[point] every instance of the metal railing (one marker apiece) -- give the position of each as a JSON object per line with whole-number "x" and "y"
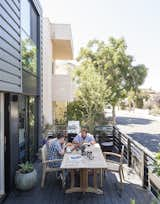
{"x": 137, "y": 156}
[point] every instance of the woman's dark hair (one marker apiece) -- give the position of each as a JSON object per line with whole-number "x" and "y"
{"x": 50, "y": 137}
{"x": 60, "y": 135}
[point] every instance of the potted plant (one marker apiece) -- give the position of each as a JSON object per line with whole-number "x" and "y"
{"x": 26, "y": 176}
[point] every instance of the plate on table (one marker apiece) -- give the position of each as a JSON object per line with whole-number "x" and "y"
{"x": 75, "y": 157}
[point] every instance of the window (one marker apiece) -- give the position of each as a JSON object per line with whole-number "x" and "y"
{"x": 25, "y": 16}
{"x": 22, "y": 125}
{"x": 29, "y": 24}
{"x": 29, "y": 54}
{"x": 27, "y": 128}
{"x": 34, "y": 25}
{"x": 32, "y": 126}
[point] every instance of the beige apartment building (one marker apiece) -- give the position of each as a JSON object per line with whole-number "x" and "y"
{"x": 58, "y": 88}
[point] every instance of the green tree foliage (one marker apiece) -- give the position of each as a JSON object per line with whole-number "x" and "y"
{"x": 131, "y": 97}
{"x": 113, "y": 63}
{"x": 90, "y": 95}
{"x": 75, "y": 110}
{"x": 156, "y": 164}
{"x": 137, "y": 98}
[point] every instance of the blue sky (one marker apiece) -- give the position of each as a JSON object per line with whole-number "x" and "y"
{"x": 135, "y": 20}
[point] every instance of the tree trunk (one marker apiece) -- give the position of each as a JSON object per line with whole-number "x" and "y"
{"x": 113, "y": 115}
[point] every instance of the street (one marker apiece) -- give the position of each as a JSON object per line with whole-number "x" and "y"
{"x": 141, "y": 126}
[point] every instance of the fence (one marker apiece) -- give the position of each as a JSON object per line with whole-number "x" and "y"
{"x": 137, "y": 156}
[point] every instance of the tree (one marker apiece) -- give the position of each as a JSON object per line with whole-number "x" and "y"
{"x": 131, "y": 97}
{"x": 113, "y": 63}
{"x": 137, "y": 98}
{"x": 90, "y": 94}
{"x": 75, "y": 110}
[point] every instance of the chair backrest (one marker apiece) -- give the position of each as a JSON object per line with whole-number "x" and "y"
{"x": 122, "y": 155}
{"x": 44, "y": 153}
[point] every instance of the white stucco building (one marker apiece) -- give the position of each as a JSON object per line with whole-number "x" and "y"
{"x": 57, "y": 82}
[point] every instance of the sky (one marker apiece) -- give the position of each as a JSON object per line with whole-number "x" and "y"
{"x": 138, "y": 21}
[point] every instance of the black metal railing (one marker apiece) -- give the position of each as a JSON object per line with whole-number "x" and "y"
{"x": 137, "y": 156}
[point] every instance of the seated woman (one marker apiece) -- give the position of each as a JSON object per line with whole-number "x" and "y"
{"x": 84, "y": 137}
{"x": 56, "y": 150}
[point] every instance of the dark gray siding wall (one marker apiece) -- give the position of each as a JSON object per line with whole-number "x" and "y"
{"x": 10, "y": 46}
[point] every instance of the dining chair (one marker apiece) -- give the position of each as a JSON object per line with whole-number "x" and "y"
{"x": 105, "y": 139}
{"x": 46, "y": 167}
{"x": 115, "y": 166}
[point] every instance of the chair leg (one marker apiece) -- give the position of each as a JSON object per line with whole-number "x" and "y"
{"x": 63, "y": 179}
{"x": 123, "y": 174}
{"x": 43, "y": 179}
{"x": 101, "y": 180}
{"x": 121, "y": 180}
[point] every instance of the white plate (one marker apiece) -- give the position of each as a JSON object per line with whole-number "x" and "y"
{"x": 75, "y": 157}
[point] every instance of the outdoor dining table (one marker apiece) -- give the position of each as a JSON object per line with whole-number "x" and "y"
{"x": 84, "y": 164}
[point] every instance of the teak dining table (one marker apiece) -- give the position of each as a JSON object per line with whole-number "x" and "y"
{"x": 84, "y": 164}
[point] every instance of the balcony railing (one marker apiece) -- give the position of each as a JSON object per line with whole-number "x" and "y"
{"x": 137, "y": 157}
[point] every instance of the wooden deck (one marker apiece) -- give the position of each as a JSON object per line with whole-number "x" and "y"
{"x": 52, "y": 193}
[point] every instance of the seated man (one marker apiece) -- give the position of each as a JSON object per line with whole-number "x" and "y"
{"x": 56, "y": 149}
{"x": 84, "y": 137}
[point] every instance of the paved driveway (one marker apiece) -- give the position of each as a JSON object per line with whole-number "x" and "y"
{"x": 142, "y": 127}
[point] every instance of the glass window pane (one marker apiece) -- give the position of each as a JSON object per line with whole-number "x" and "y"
{"x": 34, "y": 25}
{"x": 32, "y": 126}
{"x": 29, "y": 83}
{"x": 22, "y": 124}
{"x": 29, "y": 54}
{"x": 25, "y": 16}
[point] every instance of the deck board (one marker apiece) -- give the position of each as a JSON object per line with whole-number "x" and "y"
{"x": 53, "y": 194}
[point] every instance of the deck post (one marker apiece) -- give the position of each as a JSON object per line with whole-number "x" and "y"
{"x": 129, "y": 152}
{"x": 113, "y": 135}
{"x": 119, "y": 141}
{"x": 144, "y": 171}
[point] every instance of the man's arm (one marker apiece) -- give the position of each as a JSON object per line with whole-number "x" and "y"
{"x": 92, "y": 140}
{"x": 61, "y": 149}
{"x": 76, "y": 140}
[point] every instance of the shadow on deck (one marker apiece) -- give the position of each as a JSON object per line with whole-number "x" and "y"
{"x": 52, "y": 193}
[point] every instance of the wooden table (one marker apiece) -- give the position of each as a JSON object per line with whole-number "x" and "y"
{"x": 84, "y": 164}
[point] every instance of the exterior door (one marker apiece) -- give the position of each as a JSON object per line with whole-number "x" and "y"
{"x": 11, "y": 139}
{"x": 1, "y": 144}
{"x": 7, "y": 143}
{"x": 27, "y": 128}
{"x": 32, "y": 127}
